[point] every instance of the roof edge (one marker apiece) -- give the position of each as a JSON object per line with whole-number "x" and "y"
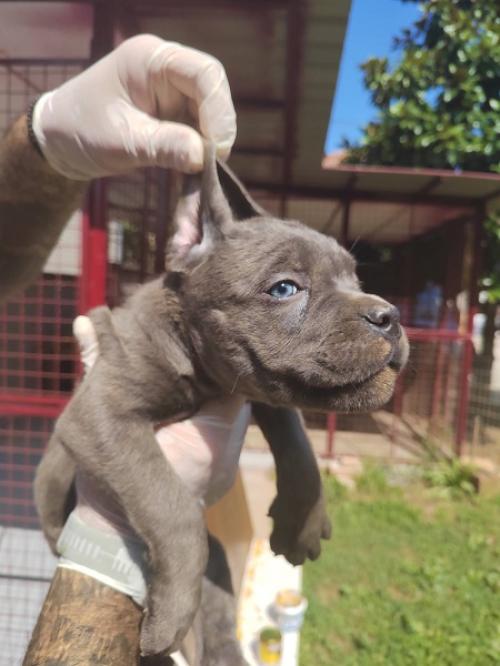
{"x": 330, "y": 164}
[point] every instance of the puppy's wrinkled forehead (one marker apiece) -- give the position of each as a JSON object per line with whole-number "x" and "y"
{"x": 277, "y": 245}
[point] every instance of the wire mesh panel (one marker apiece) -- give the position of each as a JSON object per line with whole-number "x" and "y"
{"x": 430, "y": 401}
{"x": 26, "y": 567}
{"x": 23, "y": 439}
{"x": 38, "y": 368}
{"x": 21, "y": 81}
{"x": 425, "y": 416}
{"x": 26, "y": 564}
{"x": 37, "y": 347}
{"x": 137, "y": 221}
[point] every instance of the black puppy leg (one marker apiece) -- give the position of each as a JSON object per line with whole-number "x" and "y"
{"x": 218, "y": 612}
{"x": 54, "y": 490}
{"x": 298, "y": 511}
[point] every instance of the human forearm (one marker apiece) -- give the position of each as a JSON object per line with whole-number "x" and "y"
{"x": 35, "y": 204}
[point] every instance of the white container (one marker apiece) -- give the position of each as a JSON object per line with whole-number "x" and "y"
{"x": 290, "y": 607}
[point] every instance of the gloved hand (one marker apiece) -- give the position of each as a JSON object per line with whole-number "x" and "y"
{"x": 128, "y": 110}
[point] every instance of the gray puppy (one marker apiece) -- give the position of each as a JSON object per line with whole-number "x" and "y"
{"x": 263, "y": 307}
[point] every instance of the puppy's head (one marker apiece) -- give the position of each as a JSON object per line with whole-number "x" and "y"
{"x": 274, "y": 309}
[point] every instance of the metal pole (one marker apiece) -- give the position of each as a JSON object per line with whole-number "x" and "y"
{"x": 162, "y": 218}
{"x": 103, "y": 29}
{"x": 94, "y": 232}
{"x": 94, "y": 261}
{"x": 346, "y": 219}
{"x": 294, "y": 50}
{"x": 468, "y": 352}
{"x": 331, "y": 421}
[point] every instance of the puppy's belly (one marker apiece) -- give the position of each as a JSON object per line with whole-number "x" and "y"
{"x": 204, "y": 451}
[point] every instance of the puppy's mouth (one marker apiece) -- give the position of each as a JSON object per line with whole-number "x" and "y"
{"x": 398, "y": 360}
{"x": 395, "y": 359}
{"x": 361, "y": 394}
{"x": 367, "y": 394}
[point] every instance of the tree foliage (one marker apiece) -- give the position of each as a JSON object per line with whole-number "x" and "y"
{"x": 438, "y": 106}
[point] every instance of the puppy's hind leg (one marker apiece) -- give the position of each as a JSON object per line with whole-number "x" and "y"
{"x": 218, "y": 612}
{"x": 54, "y": 490}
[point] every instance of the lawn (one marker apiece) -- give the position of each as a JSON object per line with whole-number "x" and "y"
{"x": 411, "y": 577}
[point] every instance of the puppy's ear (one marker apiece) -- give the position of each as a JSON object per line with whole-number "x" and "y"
{"x": 202, "y": 216}
{"x": 243, "y": 206}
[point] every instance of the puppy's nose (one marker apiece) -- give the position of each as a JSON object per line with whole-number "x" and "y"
{"x": 385, "y": 320}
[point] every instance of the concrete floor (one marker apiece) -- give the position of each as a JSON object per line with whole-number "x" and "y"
{"x": 26, "y": 568}
{"x": 352, "y": 443}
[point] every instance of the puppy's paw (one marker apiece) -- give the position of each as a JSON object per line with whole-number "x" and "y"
{"x": 162, "y": 633}
{"x": 299, "y": 528}
{"x": 158, "y": 638}
{"x": 170, "y": 612}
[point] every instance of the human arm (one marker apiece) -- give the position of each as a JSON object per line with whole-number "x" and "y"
{"x": 35, "y": 205}
{"x": 148, "y": 103}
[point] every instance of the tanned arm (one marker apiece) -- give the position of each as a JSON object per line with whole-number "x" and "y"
{"x": 35, "y": 204}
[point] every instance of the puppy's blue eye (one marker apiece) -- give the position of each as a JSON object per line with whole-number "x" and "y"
{"x": 284, "y": 289}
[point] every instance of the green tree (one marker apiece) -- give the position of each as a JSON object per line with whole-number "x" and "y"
{"x": 438, "y": 106}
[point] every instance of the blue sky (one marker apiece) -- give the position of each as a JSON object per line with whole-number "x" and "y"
{"x": 372, "y": 26}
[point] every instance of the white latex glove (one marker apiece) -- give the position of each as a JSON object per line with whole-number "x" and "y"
{"x": 119, "y": 113}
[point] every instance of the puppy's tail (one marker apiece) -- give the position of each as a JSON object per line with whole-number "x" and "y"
{"x": 107, "y": 339}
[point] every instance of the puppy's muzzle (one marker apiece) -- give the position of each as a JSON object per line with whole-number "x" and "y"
{"x": 383, "y": 319}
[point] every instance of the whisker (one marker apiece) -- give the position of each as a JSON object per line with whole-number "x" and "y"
{"x": 235, "y": 383}
{"x": 354, "y": 244}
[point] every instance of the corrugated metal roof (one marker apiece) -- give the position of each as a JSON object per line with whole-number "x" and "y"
{"x": 389, "y": 205}
{"x": 438, "y": 185}
{"x": 377, "y": 222}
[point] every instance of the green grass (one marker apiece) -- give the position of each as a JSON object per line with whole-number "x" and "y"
{"x": 409, "y": 578}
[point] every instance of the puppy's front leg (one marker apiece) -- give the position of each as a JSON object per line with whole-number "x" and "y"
{"x": 298, "y": 511}
{"x": 121, "y": 453}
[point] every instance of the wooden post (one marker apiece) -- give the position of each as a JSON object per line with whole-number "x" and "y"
{"x": 86, "y": 623}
